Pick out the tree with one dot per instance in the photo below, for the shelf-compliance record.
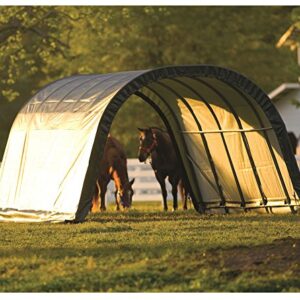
(40, 44)
(291, 39)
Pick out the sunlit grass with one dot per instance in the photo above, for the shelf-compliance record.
(143, 249)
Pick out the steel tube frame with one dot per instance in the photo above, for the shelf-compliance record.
(203, 99)
(268, 142)
(227, 131)
(244, 138)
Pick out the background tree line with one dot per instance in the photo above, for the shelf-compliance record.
(41, 44)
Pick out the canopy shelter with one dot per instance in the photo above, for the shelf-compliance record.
(229, 137)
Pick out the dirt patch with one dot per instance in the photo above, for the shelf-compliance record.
(279, 256)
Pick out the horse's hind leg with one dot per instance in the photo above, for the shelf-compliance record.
(183, 194)
(161, 181)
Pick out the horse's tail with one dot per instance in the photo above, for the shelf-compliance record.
(183, 194)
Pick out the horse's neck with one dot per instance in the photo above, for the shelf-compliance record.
(164, 146)
(115, 158)
(119, 173)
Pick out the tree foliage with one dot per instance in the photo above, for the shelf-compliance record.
(40, 44)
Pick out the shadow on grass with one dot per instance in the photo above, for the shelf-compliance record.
(142, 216)
(106, 230)
(186, 271)
(150, 216)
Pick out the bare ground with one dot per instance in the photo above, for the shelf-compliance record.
(280, 256)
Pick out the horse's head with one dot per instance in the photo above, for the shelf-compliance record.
(124, 196)
(148, 143)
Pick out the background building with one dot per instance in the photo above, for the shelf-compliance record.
(284, 98)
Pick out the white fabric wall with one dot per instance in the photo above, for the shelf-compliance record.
(49, 147)
(32, 177)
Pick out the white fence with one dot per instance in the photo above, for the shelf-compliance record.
(146, 187)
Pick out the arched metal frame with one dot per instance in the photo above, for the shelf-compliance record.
(236, 81)
(261, 123)
(210, 159)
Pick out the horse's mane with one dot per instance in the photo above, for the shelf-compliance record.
(293, 141)
(163, 136)
(161, 132)
(116, 144)
(154, 127)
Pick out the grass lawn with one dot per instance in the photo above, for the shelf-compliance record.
(149, 250)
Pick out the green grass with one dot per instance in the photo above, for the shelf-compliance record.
(149, 250)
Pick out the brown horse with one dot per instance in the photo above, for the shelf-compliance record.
(293, 141)
(156, 144)
(113, 166)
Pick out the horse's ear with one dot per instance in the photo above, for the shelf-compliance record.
(141, 129)
(132, 181)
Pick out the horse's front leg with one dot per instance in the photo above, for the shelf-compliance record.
(117, 200)
(174, 180)
(96, 199)
(161, 181)
(103, 189)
